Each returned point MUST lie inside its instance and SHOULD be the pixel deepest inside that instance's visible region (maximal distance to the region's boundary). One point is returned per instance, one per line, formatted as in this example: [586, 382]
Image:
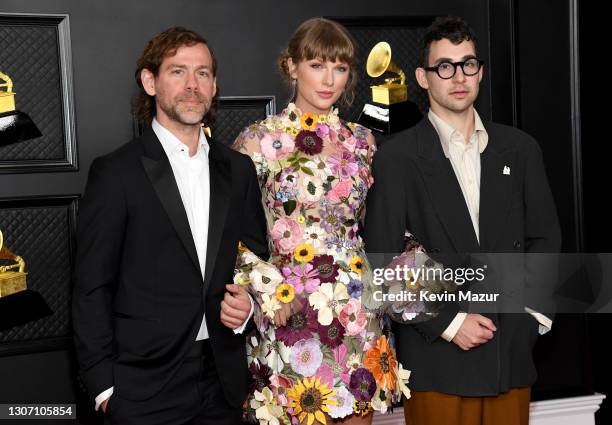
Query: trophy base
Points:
[17, 126]
[12, 282]
[387, 119]
[22, 307]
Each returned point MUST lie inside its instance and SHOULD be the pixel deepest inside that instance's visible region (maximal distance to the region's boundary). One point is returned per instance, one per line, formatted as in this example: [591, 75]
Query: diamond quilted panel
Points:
[230, 121]
[41, 235]
[29, 55]
[234, 115]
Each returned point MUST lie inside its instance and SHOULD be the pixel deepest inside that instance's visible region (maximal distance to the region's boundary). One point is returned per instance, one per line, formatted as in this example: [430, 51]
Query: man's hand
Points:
[235, 306]
[103, 405]
[474, 331]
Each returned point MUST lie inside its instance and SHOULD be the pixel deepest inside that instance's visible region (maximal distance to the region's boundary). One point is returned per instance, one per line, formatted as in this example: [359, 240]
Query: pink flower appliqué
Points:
[280, 385]
[344, 164]
[276, 145]
[286, 234]
[325, 373]
[353, 317]
[302, 277]
[339, 191]
[343, 137]
[306, 357]
[366, 176]
[322, 130]
[340, 358]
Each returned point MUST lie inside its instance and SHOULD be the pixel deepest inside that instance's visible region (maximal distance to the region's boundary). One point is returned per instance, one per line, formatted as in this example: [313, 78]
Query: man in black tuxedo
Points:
[158, 332]
[463, 186]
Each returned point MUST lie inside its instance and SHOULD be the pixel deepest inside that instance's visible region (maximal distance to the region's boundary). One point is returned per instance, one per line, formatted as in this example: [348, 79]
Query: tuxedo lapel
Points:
[220, 190]
[444, 190]
[496, 164]
[158, 169]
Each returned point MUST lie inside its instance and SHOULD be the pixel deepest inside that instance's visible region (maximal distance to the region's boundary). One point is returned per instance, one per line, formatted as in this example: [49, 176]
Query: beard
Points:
[186, 113]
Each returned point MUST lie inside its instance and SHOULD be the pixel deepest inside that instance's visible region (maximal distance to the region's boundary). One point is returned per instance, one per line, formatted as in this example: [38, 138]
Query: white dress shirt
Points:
[465, 160]
[192, 177]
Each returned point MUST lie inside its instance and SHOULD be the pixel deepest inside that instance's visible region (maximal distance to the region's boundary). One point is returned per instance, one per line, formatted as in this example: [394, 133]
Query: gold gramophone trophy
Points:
[390, 110]
[15, 126]
[12, 276]
[18, 303]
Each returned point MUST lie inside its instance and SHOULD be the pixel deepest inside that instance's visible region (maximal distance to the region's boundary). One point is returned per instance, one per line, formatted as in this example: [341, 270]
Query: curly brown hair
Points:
[324, 39]
[161, 46]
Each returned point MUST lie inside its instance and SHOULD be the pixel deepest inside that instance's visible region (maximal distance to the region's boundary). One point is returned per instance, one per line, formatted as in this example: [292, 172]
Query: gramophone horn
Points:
[379, 61]
[7, 254]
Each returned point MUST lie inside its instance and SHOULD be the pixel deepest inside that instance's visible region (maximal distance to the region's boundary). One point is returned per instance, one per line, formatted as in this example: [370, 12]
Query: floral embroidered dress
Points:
[333, 355]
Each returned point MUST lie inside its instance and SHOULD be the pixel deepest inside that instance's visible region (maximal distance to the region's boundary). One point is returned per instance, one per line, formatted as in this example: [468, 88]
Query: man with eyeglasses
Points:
[462, 185]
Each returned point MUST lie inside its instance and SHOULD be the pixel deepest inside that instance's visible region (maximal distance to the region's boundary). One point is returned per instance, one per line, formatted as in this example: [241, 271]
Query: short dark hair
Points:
[161, 46]
[452, 28]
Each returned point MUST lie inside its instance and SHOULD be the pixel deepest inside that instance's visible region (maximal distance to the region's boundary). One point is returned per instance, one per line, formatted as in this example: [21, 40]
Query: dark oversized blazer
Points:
[139, 295]
[416, 189]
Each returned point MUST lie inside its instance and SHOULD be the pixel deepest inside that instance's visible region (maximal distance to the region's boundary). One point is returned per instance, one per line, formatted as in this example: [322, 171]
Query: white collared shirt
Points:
[192, 175]
[465, 159]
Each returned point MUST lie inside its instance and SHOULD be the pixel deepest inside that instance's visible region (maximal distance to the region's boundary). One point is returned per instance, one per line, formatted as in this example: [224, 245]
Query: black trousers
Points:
[192, 397]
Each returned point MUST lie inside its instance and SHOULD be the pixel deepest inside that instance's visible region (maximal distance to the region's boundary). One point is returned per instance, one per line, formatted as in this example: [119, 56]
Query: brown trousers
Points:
[432, 408]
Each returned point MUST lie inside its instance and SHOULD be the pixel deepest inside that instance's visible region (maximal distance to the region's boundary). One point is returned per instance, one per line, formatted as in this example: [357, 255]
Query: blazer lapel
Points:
[158, 169]
[220, 190]
[495, 189]
[444, 190]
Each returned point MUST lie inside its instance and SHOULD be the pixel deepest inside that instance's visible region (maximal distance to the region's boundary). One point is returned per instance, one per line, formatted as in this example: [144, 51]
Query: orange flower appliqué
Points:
[381, 362]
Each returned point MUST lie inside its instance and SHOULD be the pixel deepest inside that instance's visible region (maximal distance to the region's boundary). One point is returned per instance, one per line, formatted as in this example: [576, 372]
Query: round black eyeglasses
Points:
[447, 70]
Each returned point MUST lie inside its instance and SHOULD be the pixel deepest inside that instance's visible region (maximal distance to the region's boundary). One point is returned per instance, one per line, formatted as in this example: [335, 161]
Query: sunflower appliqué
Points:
[311, 399]
[357, 264]
[303, 253]
[285, 293]
[309, 121]
[362, 407]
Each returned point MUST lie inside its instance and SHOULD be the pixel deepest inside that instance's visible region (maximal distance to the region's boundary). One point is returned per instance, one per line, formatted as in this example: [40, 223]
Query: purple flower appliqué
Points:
[327, 268]
[331, 218]
[309, 142]
[300, 325]
[331, 335]
[362, 385]
[355, 288]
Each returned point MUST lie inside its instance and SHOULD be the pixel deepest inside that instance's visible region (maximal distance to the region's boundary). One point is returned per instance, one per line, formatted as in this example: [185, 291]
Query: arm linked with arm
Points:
[385, 226]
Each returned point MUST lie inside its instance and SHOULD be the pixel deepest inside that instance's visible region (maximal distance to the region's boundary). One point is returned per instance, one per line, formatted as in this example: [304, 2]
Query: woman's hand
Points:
[281, 317]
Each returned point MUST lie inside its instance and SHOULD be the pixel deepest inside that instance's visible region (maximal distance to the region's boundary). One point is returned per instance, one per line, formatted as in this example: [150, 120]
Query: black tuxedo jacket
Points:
[415, 189]
[139, 296]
